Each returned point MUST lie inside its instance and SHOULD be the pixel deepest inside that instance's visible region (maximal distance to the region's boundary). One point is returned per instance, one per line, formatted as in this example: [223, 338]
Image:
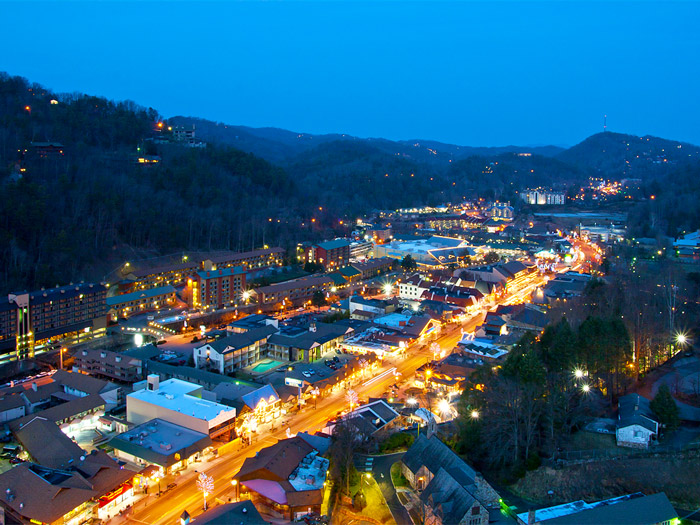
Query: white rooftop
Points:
[311, 472]
[174, 394]
[394, 320]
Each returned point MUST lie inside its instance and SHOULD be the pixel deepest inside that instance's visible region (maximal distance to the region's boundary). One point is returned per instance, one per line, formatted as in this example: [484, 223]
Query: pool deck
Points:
[266, 364]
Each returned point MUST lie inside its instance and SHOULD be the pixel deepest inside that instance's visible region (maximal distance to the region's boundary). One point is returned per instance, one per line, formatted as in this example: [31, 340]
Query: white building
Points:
[178, 402]
[541, 197]
[635, 427]
[413, 288]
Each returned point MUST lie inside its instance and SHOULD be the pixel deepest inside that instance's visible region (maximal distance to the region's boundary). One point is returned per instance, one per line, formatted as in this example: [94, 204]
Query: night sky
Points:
[471, 73]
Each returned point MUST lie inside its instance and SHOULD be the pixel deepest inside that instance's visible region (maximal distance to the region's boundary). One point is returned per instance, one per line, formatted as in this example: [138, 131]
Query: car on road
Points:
[151, 317]
[306, 374]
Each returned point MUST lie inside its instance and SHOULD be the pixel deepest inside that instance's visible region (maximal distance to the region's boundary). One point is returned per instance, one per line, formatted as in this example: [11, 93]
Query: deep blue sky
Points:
[471, 73]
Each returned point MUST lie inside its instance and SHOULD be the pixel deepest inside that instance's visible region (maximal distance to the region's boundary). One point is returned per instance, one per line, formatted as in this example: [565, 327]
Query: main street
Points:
[167, 509]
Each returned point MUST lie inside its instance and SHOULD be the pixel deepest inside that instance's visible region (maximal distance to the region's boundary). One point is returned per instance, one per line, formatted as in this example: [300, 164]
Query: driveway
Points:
[381, 470]
[684, 374]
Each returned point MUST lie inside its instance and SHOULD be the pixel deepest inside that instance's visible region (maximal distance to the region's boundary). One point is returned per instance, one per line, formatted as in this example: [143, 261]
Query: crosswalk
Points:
[363, 463]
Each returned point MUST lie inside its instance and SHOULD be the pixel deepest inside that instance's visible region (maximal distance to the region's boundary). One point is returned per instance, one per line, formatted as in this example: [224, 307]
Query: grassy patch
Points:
[397, 477]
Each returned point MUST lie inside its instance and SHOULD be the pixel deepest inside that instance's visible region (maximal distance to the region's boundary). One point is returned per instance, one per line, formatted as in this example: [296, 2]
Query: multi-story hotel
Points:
[218, 288]
[31, 321]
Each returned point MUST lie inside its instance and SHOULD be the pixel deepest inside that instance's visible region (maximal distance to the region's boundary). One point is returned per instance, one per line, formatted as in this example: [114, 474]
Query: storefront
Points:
[111, 503]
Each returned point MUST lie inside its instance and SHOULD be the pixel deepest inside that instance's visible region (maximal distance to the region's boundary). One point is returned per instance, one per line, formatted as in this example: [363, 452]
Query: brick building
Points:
[218, 288]
[331, 254]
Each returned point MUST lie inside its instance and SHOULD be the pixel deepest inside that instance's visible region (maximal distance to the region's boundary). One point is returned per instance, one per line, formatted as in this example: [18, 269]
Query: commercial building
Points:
[331, 254]
[294, 343]
[542, 197]
[500, 210]
[434, 252]
[632, 509]
[218, 288]
[158, 442]
[128, 366]
[374, 267]
[292, 293]
[31, 322]
[181, 403]
[124, 305]
[93, 486]
[361, 249]
[239, 513]
[170, 274]
[286, 480]
[256, 259]
[235, 351]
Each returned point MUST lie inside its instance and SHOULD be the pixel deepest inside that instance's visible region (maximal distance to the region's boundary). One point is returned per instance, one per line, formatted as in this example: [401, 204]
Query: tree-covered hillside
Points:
[76, 214]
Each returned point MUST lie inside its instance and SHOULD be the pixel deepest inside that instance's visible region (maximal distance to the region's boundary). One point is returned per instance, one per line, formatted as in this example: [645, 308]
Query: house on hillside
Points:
[636, 425]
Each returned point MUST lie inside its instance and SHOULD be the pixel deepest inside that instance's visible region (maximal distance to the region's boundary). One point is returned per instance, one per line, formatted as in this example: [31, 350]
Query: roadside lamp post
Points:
[234, 484]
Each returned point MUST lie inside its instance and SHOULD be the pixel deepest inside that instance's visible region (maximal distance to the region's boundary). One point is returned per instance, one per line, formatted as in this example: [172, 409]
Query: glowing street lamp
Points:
[586, 389]
[475, 414]
[578, 373]
[445, 408]
[388, 288]
[681, 339]
[234, 484]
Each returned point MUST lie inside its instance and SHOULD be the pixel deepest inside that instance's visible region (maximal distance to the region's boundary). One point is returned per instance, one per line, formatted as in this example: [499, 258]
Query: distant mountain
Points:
[282, 146]
[617, 155]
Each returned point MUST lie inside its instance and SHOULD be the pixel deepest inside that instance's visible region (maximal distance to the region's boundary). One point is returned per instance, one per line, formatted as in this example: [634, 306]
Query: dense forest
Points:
[78, 213]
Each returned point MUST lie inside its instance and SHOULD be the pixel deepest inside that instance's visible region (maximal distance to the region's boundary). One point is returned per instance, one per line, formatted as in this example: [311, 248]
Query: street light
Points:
[586, 388]
[578, 373]
[234, 484]
[475, 414]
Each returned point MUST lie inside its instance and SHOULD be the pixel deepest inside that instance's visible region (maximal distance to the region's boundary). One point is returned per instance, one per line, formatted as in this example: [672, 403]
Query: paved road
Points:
[381, 470]
[185, 496]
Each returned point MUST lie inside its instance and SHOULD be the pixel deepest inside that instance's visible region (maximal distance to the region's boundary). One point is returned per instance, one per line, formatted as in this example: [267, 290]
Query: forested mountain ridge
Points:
[281, 146]
[618, 155]
[77, 201]
[77, 212]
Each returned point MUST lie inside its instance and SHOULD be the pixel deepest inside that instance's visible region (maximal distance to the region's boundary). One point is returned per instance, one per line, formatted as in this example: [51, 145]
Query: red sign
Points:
[111, 496]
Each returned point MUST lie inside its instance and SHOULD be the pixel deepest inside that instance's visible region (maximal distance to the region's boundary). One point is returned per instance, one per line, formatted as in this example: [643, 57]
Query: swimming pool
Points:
[265, 365]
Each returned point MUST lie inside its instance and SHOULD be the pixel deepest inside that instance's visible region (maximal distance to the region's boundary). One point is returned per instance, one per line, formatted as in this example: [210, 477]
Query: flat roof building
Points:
[159, 442]
[181, 403]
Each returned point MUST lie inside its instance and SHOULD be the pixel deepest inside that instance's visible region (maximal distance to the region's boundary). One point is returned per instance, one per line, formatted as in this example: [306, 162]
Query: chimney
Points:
[35, 387]
[153, 382]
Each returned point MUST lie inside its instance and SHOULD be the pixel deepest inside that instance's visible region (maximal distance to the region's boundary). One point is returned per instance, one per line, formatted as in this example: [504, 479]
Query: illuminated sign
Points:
[111, 496]
[290, 381]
